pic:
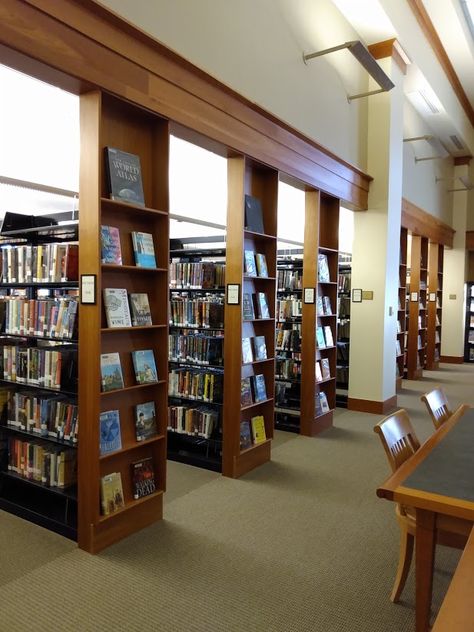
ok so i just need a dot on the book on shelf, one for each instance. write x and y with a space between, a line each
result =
327 306
124 176
328 336
245 435
143 478
325 368
117 310
250 265
140 308
320 340
144 366
111 251
324 402
248 312
323 269
319 375
111 371
247 353
145 421
253 214
319 306
109 431
261 261
111 493
143 249
259 347
258 429
259 388
48 465
398 348
246 398
262 305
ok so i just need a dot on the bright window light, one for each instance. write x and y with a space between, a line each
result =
468 10
291 210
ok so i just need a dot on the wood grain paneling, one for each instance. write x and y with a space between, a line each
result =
452 359
419 222
371 406
469 239
86 41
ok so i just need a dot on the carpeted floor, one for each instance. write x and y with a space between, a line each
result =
300 545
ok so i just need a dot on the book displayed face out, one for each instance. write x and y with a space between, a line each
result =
124 176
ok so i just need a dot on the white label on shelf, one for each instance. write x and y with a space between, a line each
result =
88 289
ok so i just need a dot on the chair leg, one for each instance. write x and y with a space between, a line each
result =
407 541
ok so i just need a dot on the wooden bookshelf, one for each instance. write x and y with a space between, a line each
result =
416 349
344 278
402 310
434 305
107 121
469 324
248 177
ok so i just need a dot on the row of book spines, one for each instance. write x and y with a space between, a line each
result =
47 263
193 421
197 275
196 384
288 339
38 461
289 280
199 312
45 416
344 329
55 318
33 365
289 308
197 349
343 282
287 368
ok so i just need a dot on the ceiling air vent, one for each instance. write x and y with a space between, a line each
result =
429 103
456 142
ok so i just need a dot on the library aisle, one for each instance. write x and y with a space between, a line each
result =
301 544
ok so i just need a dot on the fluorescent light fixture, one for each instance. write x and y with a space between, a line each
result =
366 60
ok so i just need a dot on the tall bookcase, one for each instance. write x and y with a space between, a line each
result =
416 349
343 327
402 310
434 305
247 177
469 324
107 121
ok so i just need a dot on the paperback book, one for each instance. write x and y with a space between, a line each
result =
140 308
111 371
111 493
110 436
258 429
248 311
261 262
144 365
262 305
250 265
320 340
145 421
247 354
110 245
245 435
327 306
143 249
259 388
143 478
324 402
328 336
323 269
246 392
124 176
325 368
259 348
319 375
253 214
117 311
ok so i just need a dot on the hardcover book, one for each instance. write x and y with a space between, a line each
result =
250 265
258 429
247 355
261 262
144 365
324 402
253 214
259 388
323 269
124 176
145 421
245 435
111 371
262 305
320 340
328 336
325 368
319 306
248 311
143 478
245 392
111 493
259 348
117 311
319 375
140 308
110 436
110 245
143 249
327 306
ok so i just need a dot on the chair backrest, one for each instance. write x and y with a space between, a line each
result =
398 438
437 405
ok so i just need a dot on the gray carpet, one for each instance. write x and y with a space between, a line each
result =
300 545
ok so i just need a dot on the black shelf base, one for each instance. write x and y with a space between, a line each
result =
38 519
196 460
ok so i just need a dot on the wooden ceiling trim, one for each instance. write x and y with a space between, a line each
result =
80 39
422 223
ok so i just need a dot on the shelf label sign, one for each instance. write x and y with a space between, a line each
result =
233 293
88 289
432 297
414 297
309 295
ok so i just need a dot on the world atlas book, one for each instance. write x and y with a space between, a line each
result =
124 176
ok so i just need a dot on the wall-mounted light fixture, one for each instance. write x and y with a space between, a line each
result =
366 60
434 143
468 185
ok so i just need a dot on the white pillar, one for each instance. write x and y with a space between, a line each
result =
375 259
454 276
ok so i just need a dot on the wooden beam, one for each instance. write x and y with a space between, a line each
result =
391 48
422 223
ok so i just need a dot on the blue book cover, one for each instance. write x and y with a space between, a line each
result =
144 365
143 249
111 251
145 421
110 437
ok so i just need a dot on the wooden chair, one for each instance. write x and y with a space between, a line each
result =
400 443
438 406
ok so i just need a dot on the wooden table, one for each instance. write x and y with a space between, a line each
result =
438 481
457 612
